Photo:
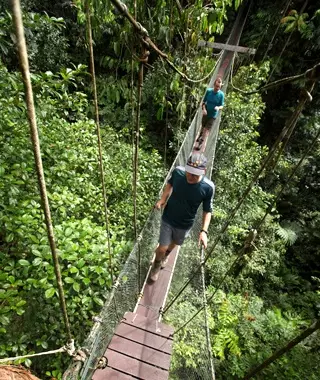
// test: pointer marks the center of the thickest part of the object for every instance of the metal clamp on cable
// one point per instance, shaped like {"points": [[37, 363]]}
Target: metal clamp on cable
{"points": [[97, 319]]}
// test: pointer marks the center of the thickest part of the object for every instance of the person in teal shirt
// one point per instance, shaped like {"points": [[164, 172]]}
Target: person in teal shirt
{"points": [[185, 191], [213, 102]]}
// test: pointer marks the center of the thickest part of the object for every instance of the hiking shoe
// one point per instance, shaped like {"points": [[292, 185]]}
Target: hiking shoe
{"points": [[155, 270], [164, 261]]}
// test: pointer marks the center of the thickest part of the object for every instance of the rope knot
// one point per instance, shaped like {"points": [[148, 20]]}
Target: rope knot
{"points": [[80, 355], [69, 348], [124, 8], [307, 94], [143, 31]]}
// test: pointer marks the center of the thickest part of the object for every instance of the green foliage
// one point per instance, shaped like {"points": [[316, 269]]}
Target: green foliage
{"points": [[288, 235], [46, 43], [295, 21], [69, 154]]}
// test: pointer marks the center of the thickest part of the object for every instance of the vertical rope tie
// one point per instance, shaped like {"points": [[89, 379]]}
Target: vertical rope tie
{"points": [[24, 66], [96, 110], [143, 60]]}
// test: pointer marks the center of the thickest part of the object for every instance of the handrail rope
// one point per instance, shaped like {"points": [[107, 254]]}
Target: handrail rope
{"points": [[97, 120], [257, 227], [206, 313], [287, 42], [305, 333], [314, 71], [24, 66], [67, 348], [276, 31], [287, 129], [144, 36]]}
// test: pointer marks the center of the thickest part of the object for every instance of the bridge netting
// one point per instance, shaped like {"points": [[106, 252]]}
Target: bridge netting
{"points": [[126, 289]]}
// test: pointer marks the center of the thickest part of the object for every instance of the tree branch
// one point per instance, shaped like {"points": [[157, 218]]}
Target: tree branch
{"points": [[146, 40], [314, 72]]}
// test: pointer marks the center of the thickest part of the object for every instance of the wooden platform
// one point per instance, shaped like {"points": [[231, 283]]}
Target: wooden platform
{"points": [[140, 349]]}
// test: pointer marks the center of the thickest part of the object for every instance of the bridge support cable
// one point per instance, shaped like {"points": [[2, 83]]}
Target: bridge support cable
{"points": [[24, 66], [276, 31], [97, 120], [286, 44], [287, 131], [307, 332], [256, 228], [143, 60]]}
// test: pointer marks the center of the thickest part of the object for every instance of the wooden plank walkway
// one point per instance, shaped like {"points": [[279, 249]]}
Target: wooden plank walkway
{"points": [[140, 349], [141, 346]]}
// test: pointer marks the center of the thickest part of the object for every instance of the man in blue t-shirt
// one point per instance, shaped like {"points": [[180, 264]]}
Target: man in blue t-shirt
{"points": [[213, 102], [185, 191]]}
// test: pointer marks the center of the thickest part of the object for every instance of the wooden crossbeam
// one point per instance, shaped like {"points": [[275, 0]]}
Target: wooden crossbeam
{"points": [[217, 45]]}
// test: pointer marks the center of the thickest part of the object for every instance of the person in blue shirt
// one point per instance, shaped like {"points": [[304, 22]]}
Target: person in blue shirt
{"points": [[185, 191], [213, 102]]}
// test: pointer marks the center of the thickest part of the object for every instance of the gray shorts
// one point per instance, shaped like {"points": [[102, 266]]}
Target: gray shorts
{"points": [[207, 122], [169, 234]]}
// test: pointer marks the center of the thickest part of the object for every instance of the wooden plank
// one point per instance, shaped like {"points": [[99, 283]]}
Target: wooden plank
{"points": [[144, 337], [154, 294], [134, 367], [139, 352], [152, 325], [110, 374], [217, 45]]}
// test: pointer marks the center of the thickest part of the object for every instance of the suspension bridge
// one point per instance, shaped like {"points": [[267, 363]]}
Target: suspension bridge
{"points": [[129, 339]]}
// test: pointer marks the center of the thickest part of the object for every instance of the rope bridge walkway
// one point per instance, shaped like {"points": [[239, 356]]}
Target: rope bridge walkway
{"points": [[124, 344], [140, 340]]}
